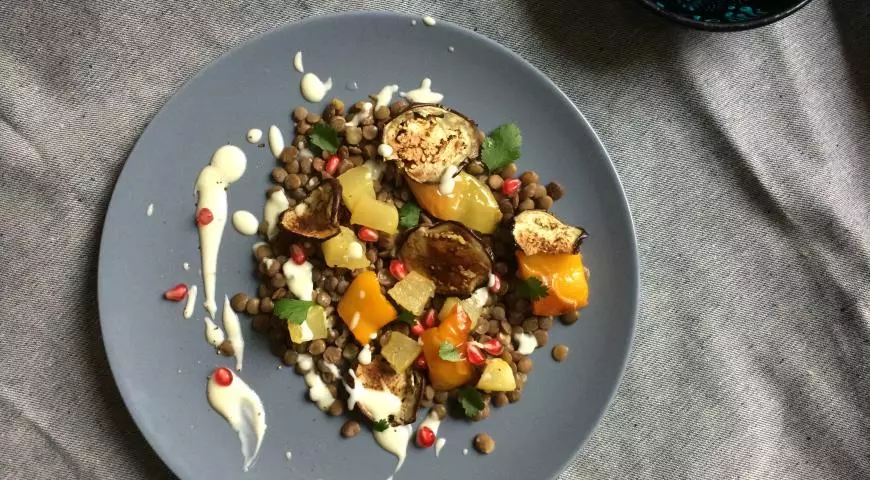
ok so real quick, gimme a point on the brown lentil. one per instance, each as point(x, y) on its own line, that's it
point(292, 166)
point(370, 132)
point(323, 299)
point(500, 399)
point(555, 190)
point(290, 357)
point(253, 306)
point(529, 178)
point(528, 191)
point(266, 305)
point(545, 202)
point(540, 192)
point(260, 323)
point(495, 182)
point(382, 113)
point(278, 281)
point(226, 348)
point(332, 355)
point(336, 409)
point(317, 165)
point(352, 135)
point(531, 324)
point(350, 429)
point(441, 396)
point(279, 174)
point(525, 365)
point(514, 396)
point(527, 204)
point(560, 352)
point(498, 312)
point(484, 443)
point(350, 351)
point(475, 168)
point(302, 128)
point(337, 123)
point(509, 171)
point(482, 414)
point(542, 336)
point(263, 251)
point(570, 318)
point(545, 323)
point(397, 106)
point(239, 301)
point(299, 113)
point(305, 166)
point(289, 154)
point(292, 181)
point(312, 117)
point(317, 347)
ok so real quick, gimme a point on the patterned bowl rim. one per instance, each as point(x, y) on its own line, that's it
point(725, 27)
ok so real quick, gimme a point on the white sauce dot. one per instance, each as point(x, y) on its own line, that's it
point(355, 250)
point(254, 135)
point(313, 89)
point(385, 150)
point(429, 21)
point(297, 62)
point(150, 210)
point(276, 141)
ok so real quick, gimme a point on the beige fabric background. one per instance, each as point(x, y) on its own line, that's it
point(745, 156)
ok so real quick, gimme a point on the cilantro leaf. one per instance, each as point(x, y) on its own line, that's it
point(449, 353)
point(502, 146)
point(470, 400)
point(381, 425)
point(532, 288)
point(409, 215)
point(407, 317)
point(324, 137)
point(294, 311)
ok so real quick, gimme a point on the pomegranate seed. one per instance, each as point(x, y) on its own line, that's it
point(222, 376)
point(366, 234)
point(417, 329)
point(420, 362)
point(297, 254)
point(493, 347)
point(510, 186)
point(176, 293)
point(430, 319)
point(475, 356)
point(425, 437)
point(204, 216)
point(397, 269)
point(332, 165)
point(494, 283)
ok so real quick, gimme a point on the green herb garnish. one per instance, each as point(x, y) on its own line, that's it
point(407, 317)
point(502, 146)
point(470, 400)
point(532, 288)
point(409, 215)
point(381, 425)
point(449, 353)
point(294, 311)
point(324, 137)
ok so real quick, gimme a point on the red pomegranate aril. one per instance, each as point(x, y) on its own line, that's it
point(176, 293)
point(417, 329)
point(297, 254)
point(222, 376)
point(511, 186)
point(425, 437)
point(493, 347)
point(367, 235)
point(494, 283)
point(397, 269)
point(474, 354)
point(420, 362)
point(332, 164)
point(430, 319)
point(204, 216)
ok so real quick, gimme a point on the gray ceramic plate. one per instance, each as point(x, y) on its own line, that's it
point(161, 361)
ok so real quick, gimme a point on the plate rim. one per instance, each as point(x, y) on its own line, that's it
point(634, 263)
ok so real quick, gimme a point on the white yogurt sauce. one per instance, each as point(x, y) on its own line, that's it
point(439, 444)
point(318, 392)
point(385, 150)
point(234, 333)
point(241, 407)
point(355, 250)
point(432, 421)
point(395, 440)
point(526, 343)
point(451, 49)
point(213, 333)
point(245, 222)
point(256, 246)
point(352, 86)
point(297, 62)
point(185, 266)
point(429, 21)
point(288, 455)
point(313, 89)
point(480, 296)
point(227, 165)
point(191, 302)
point(365, 354)
point(299, 279)
point(276, 141)
point(385, 96)
point(376, 167)
point(361, 115)
point(150, 210)
point(465, 451)
point(275, 206)
point(448, 183)
point(413, 22)
point(333, 369)
point(424, 94)
point(254, 135)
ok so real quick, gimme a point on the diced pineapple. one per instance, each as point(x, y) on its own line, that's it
point(401, 351)
point(447, 307)
point(312, 328)
point(497, 376)
point(375, 214)
point(413, 292)
point(470, 306)
point(356, 183)
point(345, 250)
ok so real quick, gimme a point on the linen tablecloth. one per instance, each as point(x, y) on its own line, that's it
point(745, 157)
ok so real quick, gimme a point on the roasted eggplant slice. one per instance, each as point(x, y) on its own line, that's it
point(537, 231)
point(450, 254)
point(317, 215)
point(426, 139)
point(408, 386)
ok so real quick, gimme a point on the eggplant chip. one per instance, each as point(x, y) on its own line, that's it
point(317, 215)
point(450, 254)
point(426, 139)
point(408, 386)
point(537, 231)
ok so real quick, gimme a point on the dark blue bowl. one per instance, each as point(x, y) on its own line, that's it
point(725, 15)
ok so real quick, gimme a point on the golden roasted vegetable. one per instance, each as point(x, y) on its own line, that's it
point(356, 183)
point(497, 376)
point(413, 292)
point(345, 250)
point(401, 351)
point(375, 214)
point(312, 328)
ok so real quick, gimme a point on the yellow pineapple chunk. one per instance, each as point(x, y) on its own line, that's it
point(413, 292)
